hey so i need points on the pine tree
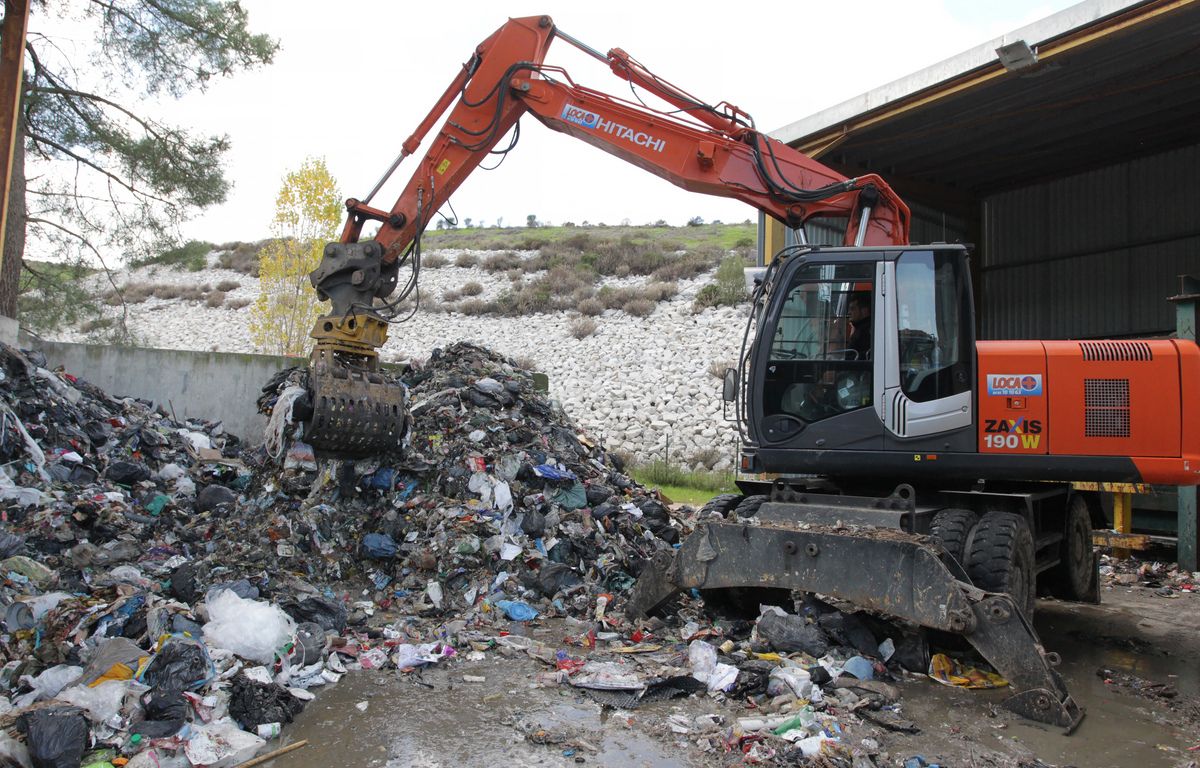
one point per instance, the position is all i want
(104, 176)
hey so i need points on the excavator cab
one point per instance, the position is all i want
(863, 349)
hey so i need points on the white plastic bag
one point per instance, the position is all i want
(102, 703)
(221, 744)
(48, 683)
(251, 629)
(703, 658)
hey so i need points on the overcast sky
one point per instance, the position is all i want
(352, 80)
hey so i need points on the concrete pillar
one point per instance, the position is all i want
(1186, 305)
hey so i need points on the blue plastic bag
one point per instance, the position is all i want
(516, 610)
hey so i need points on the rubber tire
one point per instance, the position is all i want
(1074, 578)
(1002, 558)
(721, 505)
(953, 529)
(748, 507)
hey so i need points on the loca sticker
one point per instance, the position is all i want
(1014, 384)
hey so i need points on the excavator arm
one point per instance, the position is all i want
(713, 150)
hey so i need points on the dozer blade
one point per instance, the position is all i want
(883, 570)
(355, 413)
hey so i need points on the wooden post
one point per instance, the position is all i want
(12, 61)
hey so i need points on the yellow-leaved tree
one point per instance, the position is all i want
(308, 211)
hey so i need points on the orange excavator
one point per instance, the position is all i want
(888, 458)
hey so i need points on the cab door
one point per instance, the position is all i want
(925, 368)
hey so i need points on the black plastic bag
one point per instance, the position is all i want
(788, 634)
(252, 703)
(330, 614)
(127, 472)
(56, 736)
(166, 712)
(555, 577)
(179, 666)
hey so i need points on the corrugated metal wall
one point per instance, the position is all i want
(1092, 255)
(928, 226)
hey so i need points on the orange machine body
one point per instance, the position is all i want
(1132, 399)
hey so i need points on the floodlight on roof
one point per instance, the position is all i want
(1017, 55)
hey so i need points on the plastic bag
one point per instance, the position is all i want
(517, 610)
(166, 712)
(795, 681)
(379, 546)
(330, 614)
(221, 744)
(48, 683)
(102, 702)
(180, 665)
(787, 634)
(252, 703)
(56, 736)
(251, 629)
(14, 752)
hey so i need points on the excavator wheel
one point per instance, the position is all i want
(1001, 558)
(953, 529)
(748, 507)
(720, 505)
(1074, 578)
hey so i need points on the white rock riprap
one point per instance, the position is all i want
(640, 384)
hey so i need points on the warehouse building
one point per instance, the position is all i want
(1067, 151)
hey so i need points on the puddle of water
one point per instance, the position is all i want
(458, 724)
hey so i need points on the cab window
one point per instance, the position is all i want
(930, 306)
(821, 350)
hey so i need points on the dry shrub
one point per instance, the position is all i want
(685, 266)
(466, 259)
(191, 293)
(474, 307)
(241, 257)
(716, 368)
(660, 291)
(501, 262)
(451, 295)
(582, 327)
(239, 303)
(706, 457)
(525, 363)
(228, 285)
(590, 307)
(167, 292)
(434, 260)
(96, 324)
(215, 299)
(638, 307)
(472, 288)
(582, 294)
(515, 275)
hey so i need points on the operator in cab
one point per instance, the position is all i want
(858, 313)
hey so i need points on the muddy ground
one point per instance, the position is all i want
(513, 718)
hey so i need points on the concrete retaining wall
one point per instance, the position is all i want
(216, 386)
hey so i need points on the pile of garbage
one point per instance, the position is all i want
(170, 595)
(1165, 579)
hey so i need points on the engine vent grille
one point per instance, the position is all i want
(1116, 351)
(1106, 407)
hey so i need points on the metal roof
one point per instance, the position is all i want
(1114, 79)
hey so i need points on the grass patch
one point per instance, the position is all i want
(727, 289)
(683, 485)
